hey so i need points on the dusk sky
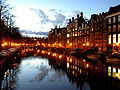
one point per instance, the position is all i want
(42, 15)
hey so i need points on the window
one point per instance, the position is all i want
(67, 41)
(75, 34)
(114, 19)
(87, 31)
(118, 38)
(68, 35)
(76, 28)
(80, 33)
(114, 38)
(118, 27)
(109, 20)
(118, 18)
(109, 39)
(92, 29)
(114, 28)
(109, 29)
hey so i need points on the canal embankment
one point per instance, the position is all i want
(11, 53)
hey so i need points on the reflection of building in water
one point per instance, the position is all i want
(86, 86)
(114, 72)
(8, 74)
(80, 71)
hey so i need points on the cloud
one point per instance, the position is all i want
(30, 33)
(75, 13)
(42, 73)
(39, 21)
(41, 14)
(54, 16)
(56, 76)
(59, 19)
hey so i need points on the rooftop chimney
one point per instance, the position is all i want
(77, 15)
(72, 18)
(69, 20)
(55, 26)
(81, 14)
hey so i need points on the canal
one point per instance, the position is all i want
(45, 70)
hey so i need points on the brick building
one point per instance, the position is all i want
(113, 27)
(102, 31)
(57, 37)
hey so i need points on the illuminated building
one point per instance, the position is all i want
(57, 37)
(101, 30)
(113, 27)
(98, 32)
(73, 29)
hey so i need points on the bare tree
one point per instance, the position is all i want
(8, 31)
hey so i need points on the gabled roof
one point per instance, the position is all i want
(80, 19)
(114, 9)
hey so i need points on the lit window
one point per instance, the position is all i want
(109, 39)
(118, 18)
(92, 29)
(76, 28)
(118, 27)
(75, 34)
(118, 70)
(109, 29)
(109, 71)
(67, 41)
(118, 38)
(114, 38)
(114, 69)
(80, 33)
(68, 35)
(109, 20)
(114, 28)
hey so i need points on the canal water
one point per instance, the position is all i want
(44, 70)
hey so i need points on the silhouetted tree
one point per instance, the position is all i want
(8, 31)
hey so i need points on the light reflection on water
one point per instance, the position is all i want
(44, 70)
(36, 73)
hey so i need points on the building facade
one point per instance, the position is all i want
(57, 37)
(101, 30)
(73, 29)
(113, 28)
(98, 31)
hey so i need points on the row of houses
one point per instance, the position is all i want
(101, 30)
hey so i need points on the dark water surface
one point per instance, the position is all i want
(43, 70)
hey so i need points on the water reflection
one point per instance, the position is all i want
(39, 69)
